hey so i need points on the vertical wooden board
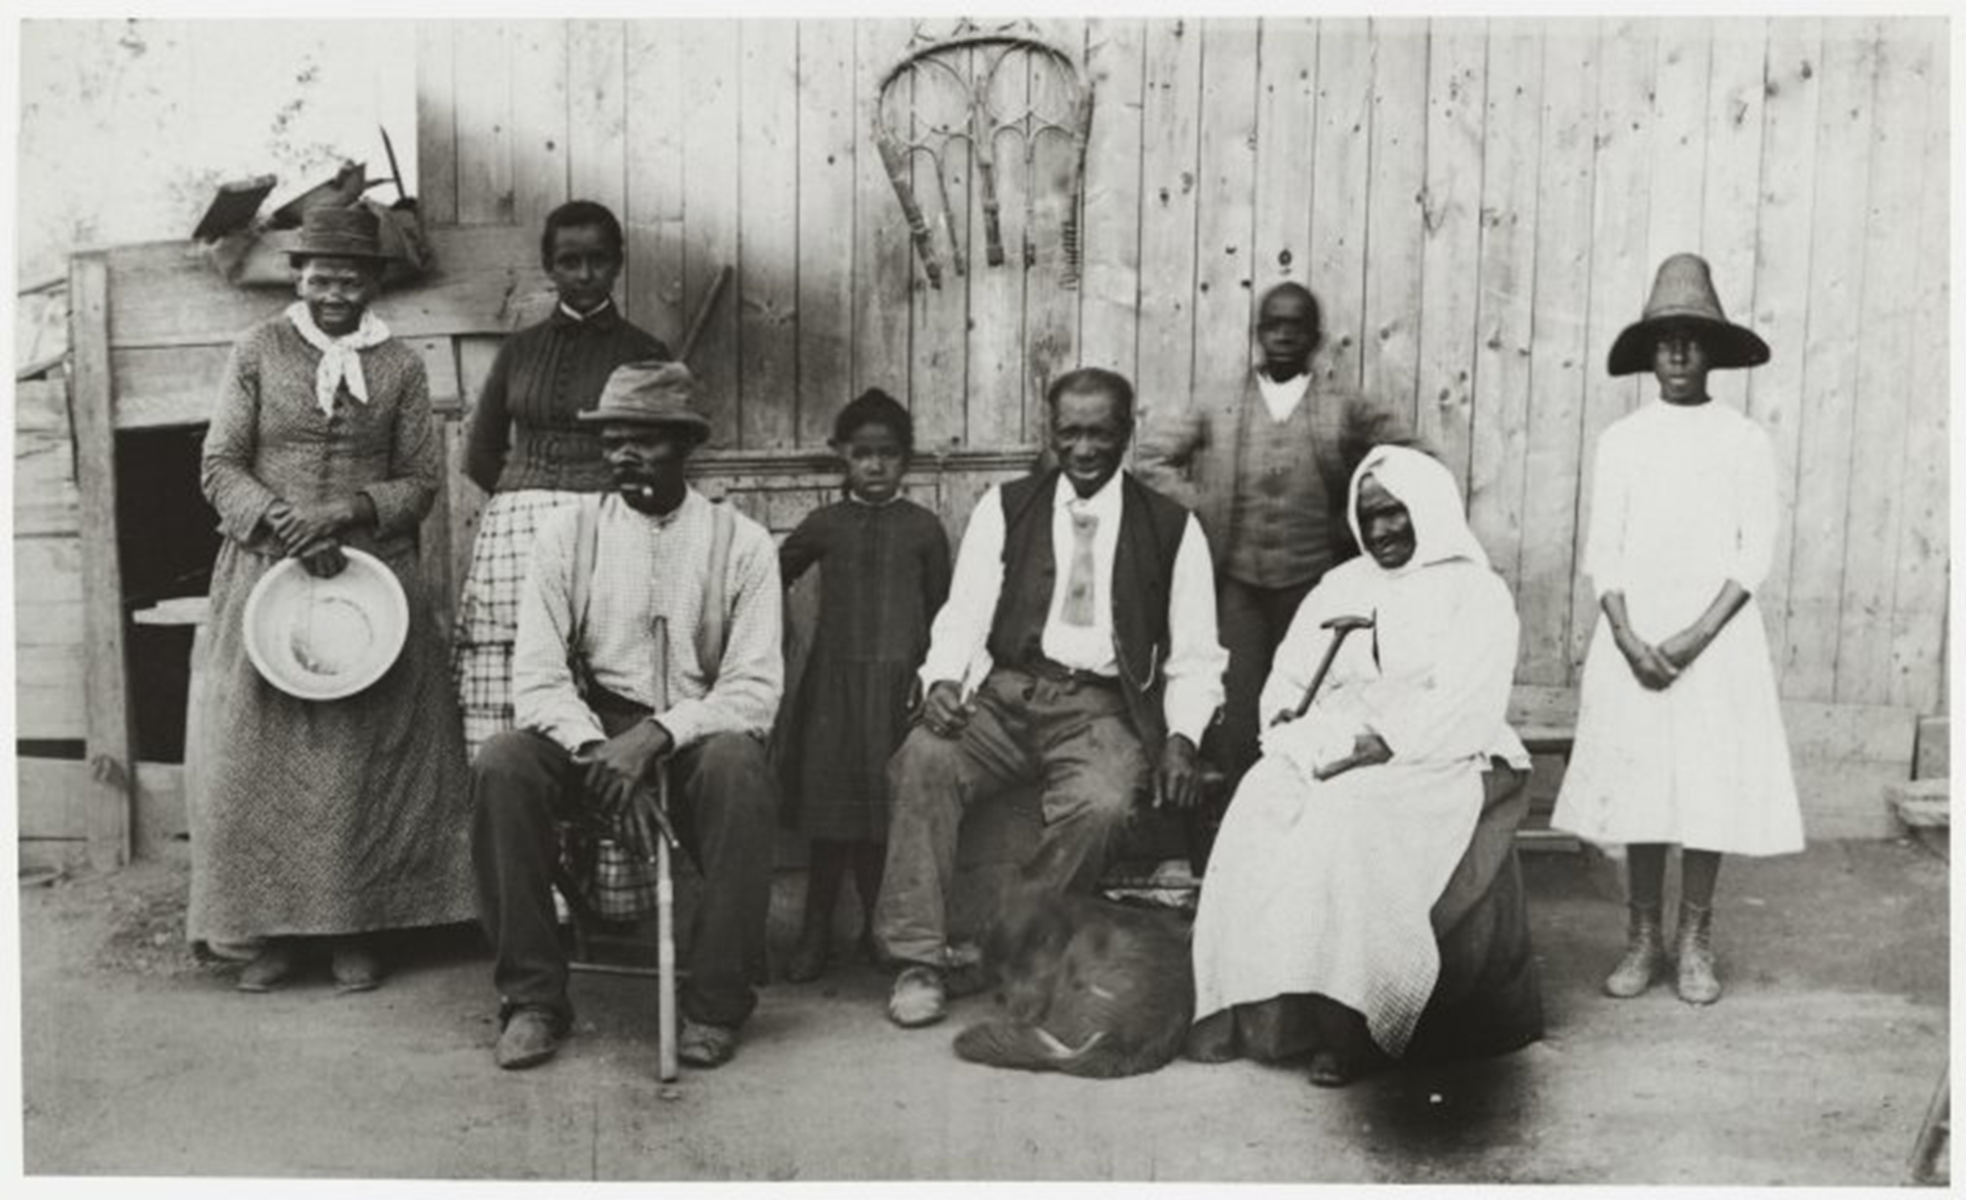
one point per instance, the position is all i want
(1553, 457)
(1395, 225)
(1051, 283)
(1340, 175)
(939, 316)
(711, 133)
(1831, 360)
(1620, 275)
(1169, 161)
(996, 347)
(883, 257)
(1888, 319)
(1679, 138)
(1287, 131)
(654, 180)
(597, 119)
(1918, 618)
(464, 509)
(827, 217)
(1451, 253)
(1109, 306)
(538, 51)
(768, 234)
(1736, 95)
(484, 96)
(436, 121)
(1505, 307)
(1786, 204)
(1225, 213)
(435, 553)
(106, 678)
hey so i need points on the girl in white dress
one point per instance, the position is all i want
(1679, 737)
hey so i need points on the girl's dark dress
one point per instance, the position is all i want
(884, 573)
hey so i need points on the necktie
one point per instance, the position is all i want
(1078, 585)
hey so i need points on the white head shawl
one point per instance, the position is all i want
(1433, 503)
(340, 359)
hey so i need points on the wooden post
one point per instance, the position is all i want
(105, 686)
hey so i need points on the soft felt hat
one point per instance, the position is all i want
(1682, 294)
(338, 233)
(650, 393)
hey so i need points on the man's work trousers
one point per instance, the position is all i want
(1071, 737)
(522, 783)
(1253, 621)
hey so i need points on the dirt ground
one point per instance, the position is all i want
(1815, 1069)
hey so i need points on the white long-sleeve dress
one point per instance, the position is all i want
(1685, 500)
(1326, 887)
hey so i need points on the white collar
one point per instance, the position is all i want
(574, 314)
(1105, 502)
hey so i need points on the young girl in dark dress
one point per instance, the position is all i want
(884, 572)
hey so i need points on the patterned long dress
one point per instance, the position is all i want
(527, 448)
(342, 816)
(884, 571)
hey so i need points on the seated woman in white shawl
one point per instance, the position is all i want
(1317, 929)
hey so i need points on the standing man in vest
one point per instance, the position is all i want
(1078, 652)
(589, 748)
(1267, 472)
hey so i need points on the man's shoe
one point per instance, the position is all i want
(705, 1045)
(531, 1037)
(920, 997)
(356, 967)
(275, 964)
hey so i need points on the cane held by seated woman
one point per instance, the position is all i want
(1340, 627)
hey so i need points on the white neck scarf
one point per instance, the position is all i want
(339, 358)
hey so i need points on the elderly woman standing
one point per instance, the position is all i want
(1316, 928)
(530, 451)
(325, 822)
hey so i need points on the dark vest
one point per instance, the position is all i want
(1151, 529)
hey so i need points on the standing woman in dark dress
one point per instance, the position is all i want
(322, 822)
(527, 449)
(884, 572)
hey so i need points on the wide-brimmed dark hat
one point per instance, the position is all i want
(650, 393)
(1682, 294)
(338, 233)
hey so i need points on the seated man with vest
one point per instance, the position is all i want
(597, 717)
(1077, 652)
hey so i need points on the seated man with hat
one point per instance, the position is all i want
(597, 717)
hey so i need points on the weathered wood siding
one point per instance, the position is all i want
(1479, 204)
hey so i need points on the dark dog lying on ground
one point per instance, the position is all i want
(1090, 987)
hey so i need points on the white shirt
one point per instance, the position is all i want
(1283, 398)
(644, 567)
(570, 311)
(959, 640)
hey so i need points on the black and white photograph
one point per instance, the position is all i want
(1010, 597)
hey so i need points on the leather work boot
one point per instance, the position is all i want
(1645, 955)
(920, 997)
(531, 1036)
(1693, 944)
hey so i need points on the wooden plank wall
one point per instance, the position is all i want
(1480, 205)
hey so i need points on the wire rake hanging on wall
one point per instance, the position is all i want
(960, 94)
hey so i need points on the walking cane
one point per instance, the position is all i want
(665, 884)
(1340, 627)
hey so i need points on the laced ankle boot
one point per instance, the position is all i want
(1693, 945)
(1645, 954)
